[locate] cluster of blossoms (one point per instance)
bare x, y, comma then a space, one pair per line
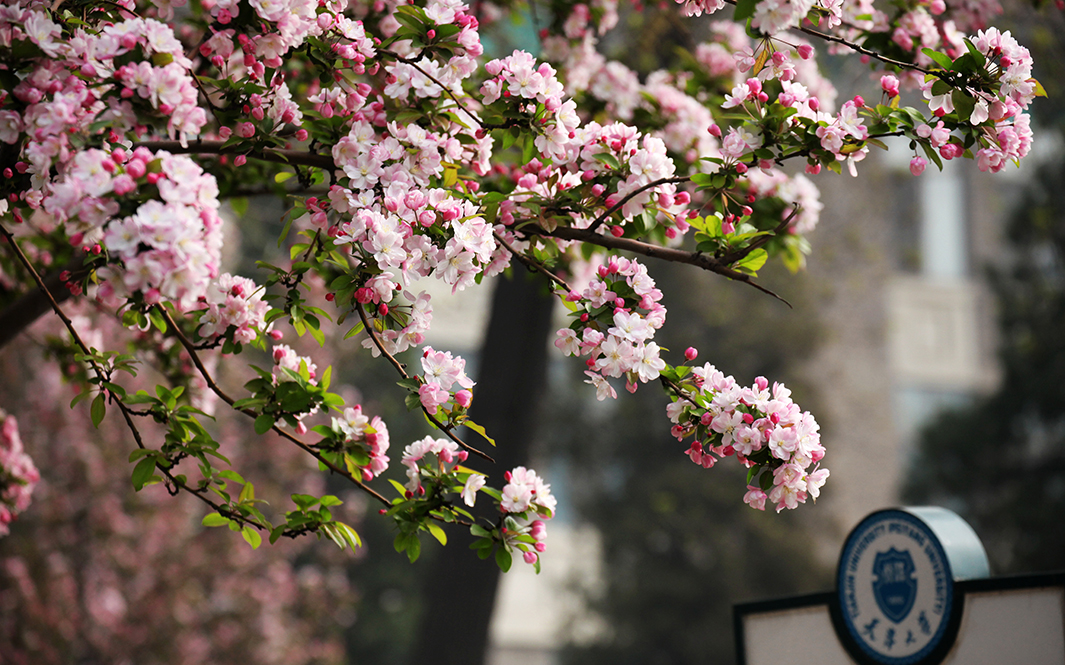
155, 71
169, 248
446, 455
416, 187
528, 503
285, 358
233, 305
441, 372
359, 433
615, 318
764, 429
518, 78
412, 233
1007, 129
18, 475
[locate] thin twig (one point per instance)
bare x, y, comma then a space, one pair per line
617, 206
732, 257
447, 91
861, 49
532, 263
446, 429
100, 374
191, 349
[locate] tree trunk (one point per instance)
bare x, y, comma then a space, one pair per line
460, 590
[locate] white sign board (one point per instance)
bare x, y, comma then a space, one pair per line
906, 595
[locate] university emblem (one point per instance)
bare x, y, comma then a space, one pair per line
894, 584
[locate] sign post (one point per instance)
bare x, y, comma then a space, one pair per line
912, 588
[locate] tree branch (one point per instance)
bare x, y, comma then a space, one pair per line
191, 350
101, 375
446, 429
698, 259
205, 147
532, 264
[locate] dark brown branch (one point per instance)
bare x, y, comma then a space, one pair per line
698, 259
533, 264
205, 147
861, 49
102, 376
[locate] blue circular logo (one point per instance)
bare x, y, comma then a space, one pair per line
895, 588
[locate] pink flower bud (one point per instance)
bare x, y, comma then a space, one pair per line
691, 353
464, 398
890, 84
240, 160
805, 51
246, 130
741, 168
917, 165
617, 231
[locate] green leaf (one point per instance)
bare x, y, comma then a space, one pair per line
529, 151
480, 531
941, 59
80, 396
252, 536
503, 559
214, 519
334, 535
480, 430
142, 473
752, 262
414, 547
229, 474
437, 532
963, 104
744, 10
607, 159
349, 534
283, 176
99, 408
247, 493
264, 423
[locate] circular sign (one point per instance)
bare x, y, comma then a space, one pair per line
896, 590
